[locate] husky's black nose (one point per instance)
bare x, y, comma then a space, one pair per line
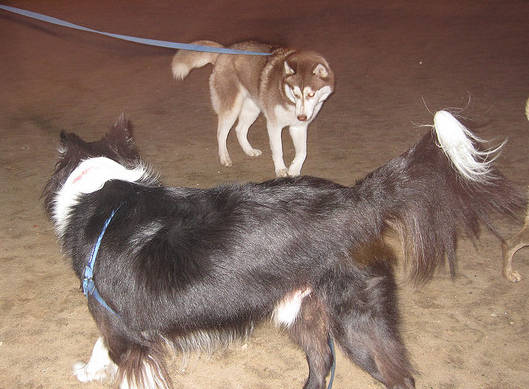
302, 118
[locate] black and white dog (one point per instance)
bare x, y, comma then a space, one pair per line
190, 268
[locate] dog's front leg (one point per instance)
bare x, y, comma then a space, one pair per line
299, 138
99, 368
274, 135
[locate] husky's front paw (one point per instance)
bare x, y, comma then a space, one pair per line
253, 152
225, 160
282, 172
294, 170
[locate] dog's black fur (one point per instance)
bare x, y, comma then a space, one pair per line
192, 266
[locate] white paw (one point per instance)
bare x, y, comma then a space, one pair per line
294, 171
513, 276
99, 367
86, 373
282, 172
253, 152
225, 160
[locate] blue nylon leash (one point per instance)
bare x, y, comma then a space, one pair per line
333, 367
89, 287
143, 41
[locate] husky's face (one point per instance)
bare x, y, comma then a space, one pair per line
307, 83
117, 145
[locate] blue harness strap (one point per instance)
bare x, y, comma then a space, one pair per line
333, 367
143, 41
89, 287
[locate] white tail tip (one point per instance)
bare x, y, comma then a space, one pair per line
457, 143
180, 71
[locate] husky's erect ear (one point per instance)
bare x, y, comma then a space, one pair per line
288, 69
320, 71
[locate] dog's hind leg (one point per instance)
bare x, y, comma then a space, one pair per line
226, 119
363, 320
249, 113
227, 100
510, 247
311, 331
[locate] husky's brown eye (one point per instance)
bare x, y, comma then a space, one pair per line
311, 94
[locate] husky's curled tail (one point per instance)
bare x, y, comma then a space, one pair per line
185, 60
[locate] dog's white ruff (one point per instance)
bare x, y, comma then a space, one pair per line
99, 367
456, 141
287, 310
89, 176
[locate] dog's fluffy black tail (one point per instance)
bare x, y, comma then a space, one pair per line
445, 185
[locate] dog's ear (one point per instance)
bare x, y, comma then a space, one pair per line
68, 141
122, 129
320, 71
120, 138
120, 134
289, 70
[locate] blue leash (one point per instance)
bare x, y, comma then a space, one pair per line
89, 287
143, 41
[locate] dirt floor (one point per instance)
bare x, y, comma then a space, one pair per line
394, 62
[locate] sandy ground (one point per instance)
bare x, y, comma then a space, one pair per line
392, 63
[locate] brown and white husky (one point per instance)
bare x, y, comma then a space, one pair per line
288, 87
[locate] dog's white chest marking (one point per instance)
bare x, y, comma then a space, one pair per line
287, 310
88, 177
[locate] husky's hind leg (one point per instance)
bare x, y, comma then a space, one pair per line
249, 113
227, 103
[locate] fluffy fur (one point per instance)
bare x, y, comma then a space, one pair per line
192, 268
289, 87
